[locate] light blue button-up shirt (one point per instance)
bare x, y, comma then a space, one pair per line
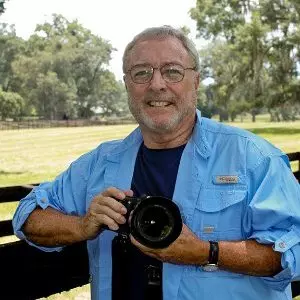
231, 185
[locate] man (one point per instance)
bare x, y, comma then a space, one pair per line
238, 197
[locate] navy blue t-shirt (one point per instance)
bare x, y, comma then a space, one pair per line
154, 174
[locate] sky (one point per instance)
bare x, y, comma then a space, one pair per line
117, 21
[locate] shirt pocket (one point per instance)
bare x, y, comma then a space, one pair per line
219, 213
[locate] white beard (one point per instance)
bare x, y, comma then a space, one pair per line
168, 125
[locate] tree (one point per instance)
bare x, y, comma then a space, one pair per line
216, 18
2, 7
54, 98
11, 47
63, 69
264, 36
11, 105
112, 96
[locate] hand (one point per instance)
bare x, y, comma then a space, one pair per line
105, 210
186, 249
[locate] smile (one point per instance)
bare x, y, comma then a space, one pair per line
159, 103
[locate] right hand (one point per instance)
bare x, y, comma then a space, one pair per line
105, 210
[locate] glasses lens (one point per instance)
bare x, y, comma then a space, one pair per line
141, 74
172, 73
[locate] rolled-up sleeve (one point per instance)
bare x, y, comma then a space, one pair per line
38, 197
67, 194
273, 216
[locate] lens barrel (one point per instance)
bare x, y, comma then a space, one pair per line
156, 222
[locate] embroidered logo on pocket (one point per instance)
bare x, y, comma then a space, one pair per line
227, 179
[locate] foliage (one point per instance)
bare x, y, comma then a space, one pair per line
61, 70
2, 7
11, 105
254, 54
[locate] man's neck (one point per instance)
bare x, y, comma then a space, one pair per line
163, 140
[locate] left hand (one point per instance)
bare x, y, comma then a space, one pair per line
186, 249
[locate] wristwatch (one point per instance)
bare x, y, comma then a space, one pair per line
213, 258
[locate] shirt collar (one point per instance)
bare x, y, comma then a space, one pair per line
199, 138
135, 138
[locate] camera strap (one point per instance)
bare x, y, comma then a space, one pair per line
120, 263
122, 256
154, 283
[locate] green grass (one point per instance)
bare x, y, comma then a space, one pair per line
35, 155
284, 135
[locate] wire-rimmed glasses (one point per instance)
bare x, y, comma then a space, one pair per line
171, 73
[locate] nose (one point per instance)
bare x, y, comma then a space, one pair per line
157, 83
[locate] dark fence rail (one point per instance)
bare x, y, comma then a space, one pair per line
295, 157
29, 124
28, 273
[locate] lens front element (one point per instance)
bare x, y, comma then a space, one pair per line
156, 222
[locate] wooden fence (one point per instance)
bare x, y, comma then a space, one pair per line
28, 273
32, 124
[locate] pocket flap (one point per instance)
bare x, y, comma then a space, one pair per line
212, 200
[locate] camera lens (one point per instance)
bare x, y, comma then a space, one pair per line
156, 222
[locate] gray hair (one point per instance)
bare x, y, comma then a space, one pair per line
160, 33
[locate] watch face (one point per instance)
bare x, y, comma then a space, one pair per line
210, 268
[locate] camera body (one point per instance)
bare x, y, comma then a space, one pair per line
154, 221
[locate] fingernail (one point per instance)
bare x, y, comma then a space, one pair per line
115, 227
121, 196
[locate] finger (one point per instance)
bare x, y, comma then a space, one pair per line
110, 223
114, 193
117, 217
148, 251
111, 203
129, 193
136, 243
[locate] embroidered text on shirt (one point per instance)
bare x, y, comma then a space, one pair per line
227, 179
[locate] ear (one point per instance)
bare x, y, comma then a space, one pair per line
124, 79
197, 81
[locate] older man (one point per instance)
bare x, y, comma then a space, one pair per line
239, 200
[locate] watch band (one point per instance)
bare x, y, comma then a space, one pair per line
213, 253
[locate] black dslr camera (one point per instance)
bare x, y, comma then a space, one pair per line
154, 221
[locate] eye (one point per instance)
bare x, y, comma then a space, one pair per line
141, 73
173, 72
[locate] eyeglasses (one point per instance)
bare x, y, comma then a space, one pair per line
171, 73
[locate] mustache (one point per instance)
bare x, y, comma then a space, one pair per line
159, 97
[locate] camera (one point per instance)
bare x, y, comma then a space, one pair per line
154, 221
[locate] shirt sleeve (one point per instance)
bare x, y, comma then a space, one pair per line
273, 215
67, 194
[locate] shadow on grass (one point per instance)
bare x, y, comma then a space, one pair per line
10, 173
275, 130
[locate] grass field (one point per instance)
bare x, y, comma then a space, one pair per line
35, 155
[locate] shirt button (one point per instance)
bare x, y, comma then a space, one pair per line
281, 245
43, 200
